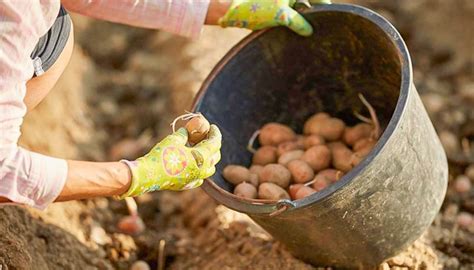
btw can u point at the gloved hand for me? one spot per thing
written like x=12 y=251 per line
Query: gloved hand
x=259 y=14
x=171 y=165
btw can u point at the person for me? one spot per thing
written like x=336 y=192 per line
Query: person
x=36 y=42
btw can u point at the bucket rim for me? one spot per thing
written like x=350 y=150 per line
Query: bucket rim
x=406 y=74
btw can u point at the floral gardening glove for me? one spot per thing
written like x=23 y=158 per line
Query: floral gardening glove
x=171 y=165
x=256 y=15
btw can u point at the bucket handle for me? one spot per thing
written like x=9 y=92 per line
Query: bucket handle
x=281 y=205
x=302 y=4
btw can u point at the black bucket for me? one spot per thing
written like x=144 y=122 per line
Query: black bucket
x=389 y=199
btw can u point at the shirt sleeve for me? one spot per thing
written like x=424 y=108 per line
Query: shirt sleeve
x=25 y=177
x=182 y=17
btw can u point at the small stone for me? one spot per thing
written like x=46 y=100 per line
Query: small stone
x=458 y=116
x=451 y=211
x=465 y=220
x=101 y=203
x=398 y=260
x=462 y=184
x=126 y=254
x=104 y=265
x=384 y=266
x=467 y=91
x=99 y=235
x=125 y=242
x=140 y=265
x=108 y=107
x=450 y=142
x=399 y=268
x=114 y=255
x=470 y=172
x=433 y=102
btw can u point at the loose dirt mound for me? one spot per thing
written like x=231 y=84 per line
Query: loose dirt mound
x=27 y=242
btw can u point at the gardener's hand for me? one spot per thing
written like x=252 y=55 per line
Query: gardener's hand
x=171 y=165
x=259 y=14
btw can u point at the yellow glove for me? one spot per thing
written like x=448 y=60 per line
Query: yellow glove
x=256 y=15
x=171 y=165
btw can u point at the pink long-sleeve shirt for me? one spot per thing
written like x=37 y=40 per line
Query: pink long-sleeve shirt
x=30 y=178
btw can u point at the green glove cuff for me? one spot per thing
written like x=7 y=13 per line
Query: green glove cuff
x=135 y=189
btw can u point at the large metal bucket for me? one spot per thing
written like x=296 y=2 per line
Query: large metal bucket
x=383 y=204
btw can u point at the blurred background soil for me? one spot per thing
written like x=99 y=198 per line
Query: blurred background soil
x=125 y=85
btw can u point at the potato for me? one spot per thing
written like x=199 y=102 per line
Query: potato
x=293 y=189
x=314 y=121
x=265 y=155
x=326 y=177
x=256 y=169
x=318 y=157
x=364 y=142
x=313 y=140
x=304 y=192
x=289 y=156
x=357 y=132
x=236 y=174
x=287 y=147
x=361 y=153
x=341 y=156
x=275 y=133
x=275 y=173
x=270 y=191
x=254 y=179
x=333 y=145
x=364 y=151
x=329 y=175
x=198 y=128
x=320 y=183
x=330 y=129
x=131 y=225
x=300 y=171
x=300 y=141
x=246 y=190
x=356 y=159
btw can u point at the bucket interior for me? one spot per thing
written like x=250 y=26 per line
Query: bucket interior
x=278 y=76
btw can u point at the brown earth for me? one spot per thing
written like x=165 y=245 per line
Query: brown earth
x=125 y=83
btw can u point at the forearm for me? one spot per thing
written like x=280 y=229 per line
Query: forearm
x=95 y=179
x=217 y=9
x=182 y=17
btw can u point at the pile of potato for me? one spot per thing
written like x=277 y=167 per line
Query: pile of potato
x=293 y=166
